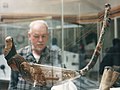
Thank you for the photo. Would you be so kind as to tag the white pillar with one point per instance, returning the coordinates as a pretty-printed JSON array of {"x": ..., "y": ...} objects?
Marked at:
[{"x": 115, "y": 28}]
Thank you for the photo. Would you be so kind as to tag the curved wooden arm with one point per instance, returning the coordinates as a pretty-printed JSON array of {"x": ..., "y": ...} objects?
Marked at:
[{"x": 97, "y": 50}]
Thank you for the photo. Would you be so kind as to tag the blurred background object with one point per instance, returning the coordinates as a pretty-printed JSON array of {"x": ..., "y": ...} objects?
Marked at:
[{"x": 5, "y": 72}]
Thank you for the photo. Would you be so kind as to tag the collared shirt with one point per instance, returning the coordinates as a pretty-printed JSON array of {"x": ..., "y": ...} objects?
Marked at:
[{"x": 46, "y": 58}]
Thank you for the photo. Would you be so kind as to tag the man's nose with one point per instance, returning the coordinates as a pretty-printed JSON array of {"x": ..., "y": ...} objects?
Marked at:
[{"x": 40, "y": 39}]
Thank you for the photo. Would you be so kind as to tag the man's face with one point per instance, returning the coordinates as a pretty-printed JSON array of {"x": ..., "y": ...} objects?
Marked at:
[{"x": 38, "y": 37}]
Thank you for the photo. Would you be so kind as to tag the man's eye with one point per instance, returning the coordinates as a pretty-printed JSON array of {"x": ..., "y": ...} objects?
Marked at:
[
  {"x": 36, "y": 36},
  {"x": 43, "y": 36}
]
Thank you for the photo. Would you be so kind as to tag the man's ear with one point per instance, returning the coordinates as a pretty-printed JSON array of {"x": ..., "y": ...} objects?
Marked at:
[{"x": 48, "y": 34}]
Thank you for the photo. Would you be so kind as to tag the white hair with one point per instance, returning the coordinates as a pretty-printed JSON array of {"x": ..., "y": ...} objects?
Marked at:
[{"x": 36, "y": 22}]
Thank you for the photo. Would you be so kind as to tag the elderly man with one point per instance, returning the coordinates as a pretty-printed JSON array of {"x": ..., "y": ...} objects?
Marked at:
[{"x": 37, "y": 52}]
